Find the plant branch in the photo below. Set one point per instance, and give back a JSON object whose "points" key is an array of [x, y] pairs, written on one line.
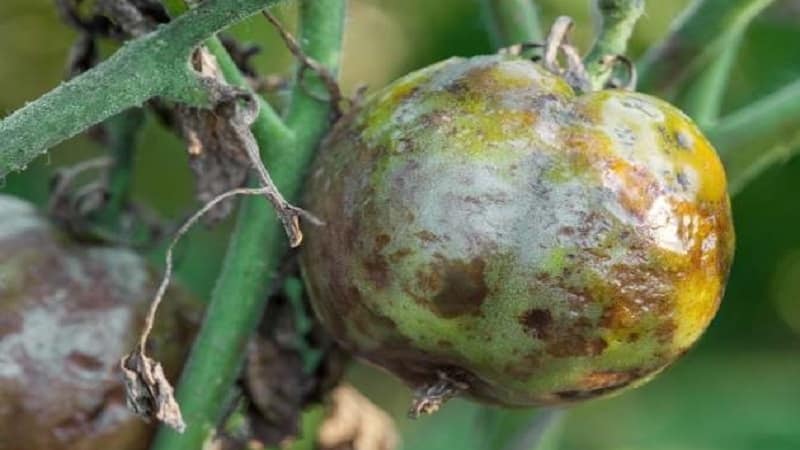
{"points": [[619, 18], [156, 64], [123, 130], [269, 126], [512, 22], [696, 37], [256, 247], [752, 139]]}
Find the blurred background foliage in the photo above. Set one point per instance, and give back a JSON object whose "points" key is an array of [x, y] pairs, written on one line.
{"points": [[739, 389]]}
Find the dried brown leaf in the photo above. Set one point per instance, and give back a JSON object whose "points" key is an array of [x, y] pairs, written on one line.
{"points": [[148, 392]]}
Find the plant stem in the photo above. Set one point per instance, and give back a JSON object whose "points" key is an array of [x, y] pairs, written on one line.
{"points": [[752, 139], [256, 248], [619, 19], [155, 64], [696, 37], [268, 126], [123, 130], [512, 22], [703, 97]]}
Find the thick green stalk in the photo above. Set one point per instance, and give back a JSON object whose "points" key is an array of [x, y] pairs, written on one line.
{"points": [[703, 97], [619, 18], [268, 126], [255, 250], [122, 130], [700, 34], [512, 22], [752, 139], [155, 64]]}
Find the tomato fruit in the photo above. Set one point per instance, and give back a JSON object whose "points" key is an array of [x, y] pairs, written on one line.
{"points": [[486, 223], [68, 313]]}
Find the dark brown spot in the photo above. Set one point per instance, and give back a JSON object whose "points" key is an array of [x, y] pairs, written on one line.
{"points": [[463, 288], [665, 331], [600, 383], [426, 236], [84, 361], [573, 341], [399, 254], [377, 270], [444, 343], [381, 241], [566, 231], [537, 322]]}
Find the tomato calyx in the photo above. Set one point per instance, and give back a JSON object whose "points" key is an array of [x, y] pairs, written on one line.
{"points": [[558, 44]]}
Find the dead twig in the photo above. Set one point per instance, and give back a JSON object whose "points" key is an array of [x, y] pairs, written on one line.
{"points": [[328, 79]]}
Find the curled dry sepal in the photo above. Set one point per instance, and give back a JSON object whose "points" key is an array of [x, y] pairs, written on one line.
{"points": [[148, 392]]}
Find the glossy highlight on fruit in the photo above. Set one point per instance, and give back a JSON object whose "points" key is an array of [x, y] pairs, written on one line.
{"points": [[485, 222], [68, 313]]}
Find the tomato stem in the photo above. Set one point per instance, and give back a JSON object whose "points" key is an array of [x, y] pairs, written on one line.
{"points": [[258, 243], [153, 65], [619, 18]]}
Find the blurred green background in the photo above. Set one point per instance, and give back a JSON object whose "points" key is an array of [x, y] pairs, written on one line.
{"points": [[739, 389]]}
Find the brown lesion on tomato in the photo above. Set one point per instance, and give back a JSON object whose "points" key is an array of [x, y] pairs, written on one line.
{"points": [[537, 323], [85, 361], [381, 241], [599, 383], [426, 236], [463, 288], [562, 337], [525, 366], [575, 343], [377, 270], [399, 255], [451, 287]]}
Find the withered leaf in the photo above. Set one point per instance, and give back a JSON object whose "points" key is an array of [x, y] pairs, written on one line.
{"points": [[217, 139], [148, 393]]}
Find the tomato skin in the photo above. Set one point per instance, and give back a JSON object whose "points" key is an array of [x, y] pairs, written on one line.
{"points": [[544, 247], [68, 313]]}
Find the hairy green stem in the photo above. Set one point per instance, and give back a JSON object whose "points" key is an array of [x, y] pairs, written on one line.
{"points": [[702, 99], [696, 37], [268, 126], [256, 247], [752, 139], [153, 65], [512, 22], [619, 18], [123, 130]]}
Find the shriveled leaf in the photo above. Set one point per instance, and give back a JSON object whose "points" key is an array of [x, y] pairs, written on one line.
{"points": [[148, 392]]}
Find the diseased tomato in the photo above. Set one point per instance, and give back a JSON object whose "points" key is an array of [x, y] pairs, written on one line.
{"points": [[489, 226], [68, 313]]}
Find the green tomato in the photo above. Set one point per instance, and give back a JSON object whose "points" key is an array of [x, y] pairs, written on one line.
{"points": [[486, 222]]}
